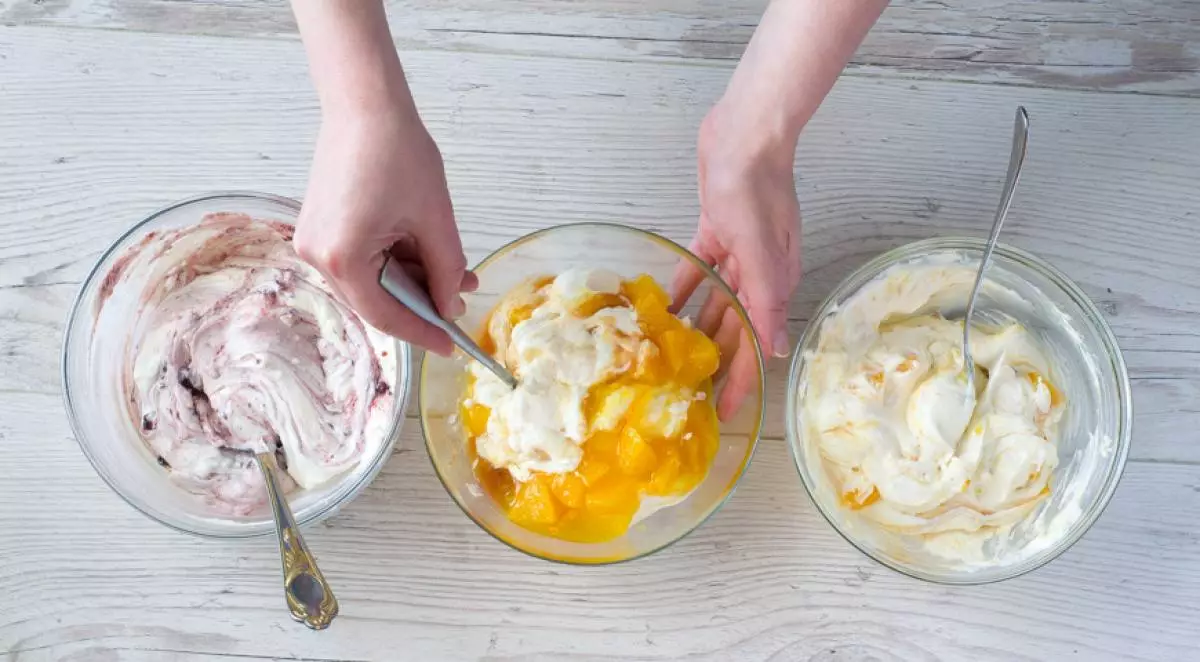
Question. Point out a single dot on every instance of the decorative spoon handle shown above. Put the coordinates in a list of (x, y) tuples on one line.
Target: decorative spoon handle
[(309, 598)]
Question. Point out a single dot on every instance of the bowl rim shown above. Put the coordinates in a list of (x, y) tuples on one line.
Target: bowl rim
[(403, 386), (872, 269), (754, 436)]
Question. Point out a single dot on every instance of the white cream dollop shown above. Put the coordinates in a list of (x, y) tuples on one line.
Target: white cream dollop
[(557, 356), (899, 434)]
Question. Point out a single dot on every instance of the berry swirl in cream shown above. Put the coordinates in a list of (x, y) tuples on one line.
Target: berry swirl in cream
[(238, 345)]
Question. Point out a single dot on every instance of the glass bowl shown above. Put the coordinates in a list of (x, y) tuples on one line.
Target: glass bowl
[(1094, 432), (628, 252), (90, 361)]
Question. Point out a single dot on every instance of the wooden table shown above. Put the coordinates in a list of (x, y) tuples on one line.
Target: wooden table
[(553, 111)]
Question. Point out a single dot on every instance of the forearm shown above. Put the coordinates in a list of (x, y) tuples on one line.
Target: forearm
[(793, 60), (351, 57)]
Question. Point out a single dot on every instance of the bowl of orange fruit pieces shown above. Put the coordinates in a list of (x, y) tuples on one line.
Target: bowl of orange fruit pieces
[(610, 447)]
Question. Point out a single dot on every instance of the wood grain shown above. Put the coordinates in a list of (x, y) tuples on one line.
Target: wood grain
[(1132, 46), (765, 579), (95, 143), (101, 127)]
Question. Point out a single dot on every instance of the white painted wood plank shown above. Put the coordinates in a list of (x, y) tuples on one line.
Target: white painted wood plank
[(765, 579), (1150, 46), (99, 132), (138, 120)]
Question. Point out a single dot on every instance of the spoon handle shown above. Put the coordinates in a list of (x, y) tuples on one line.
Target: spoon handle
[(309, 598), (1015, 160), (396, 282)]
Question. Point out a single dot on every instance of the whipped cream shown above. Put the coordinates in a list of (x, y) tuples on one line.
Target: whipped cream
[(558, 356), (901, 438), (237, 345)]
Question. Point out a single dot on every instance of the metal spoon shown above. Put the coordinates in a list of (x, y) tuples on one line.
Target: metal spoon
[(309, 597), (396, 281), (1015, 160)]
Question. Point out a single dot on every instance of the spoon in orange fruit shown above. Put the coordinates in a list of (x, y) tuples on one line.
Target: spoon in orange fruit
[(396, 282)]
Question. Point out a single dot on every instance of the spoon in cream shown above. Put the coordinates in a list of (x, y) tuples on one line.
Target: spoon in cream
[(396, 281), (1015, 160), (309, 598)]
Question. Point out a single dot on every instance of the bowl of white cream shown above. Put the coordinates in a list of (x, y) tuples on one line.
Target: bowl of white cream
[(933, 481)]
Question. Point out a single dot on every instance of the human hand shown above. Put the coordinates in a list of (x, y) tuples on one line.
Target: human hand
[(377, 186), (749, 230)]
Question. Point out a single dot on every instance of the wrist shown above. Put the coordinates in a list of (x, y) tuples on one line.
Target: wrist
[(365, 87), (749, 134)]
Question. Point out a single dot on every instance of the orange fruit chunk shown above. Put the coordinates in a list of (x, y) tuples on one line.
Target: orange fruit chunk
[(475, 418), (534, 503), (650, 302), (691, 355), (613, 497), (634, 455), (595, 302), (568, 489), (592, 470)]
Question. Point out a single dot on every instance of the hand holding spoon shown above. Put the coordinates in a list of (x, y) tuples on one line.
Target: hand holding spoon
[(396, 281), (1015, 160)]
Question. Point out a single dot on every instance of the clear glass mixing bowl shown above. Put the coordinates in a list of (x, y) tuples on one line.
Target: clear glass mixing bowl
[(628, 252), (1095, 430), (90, 362)]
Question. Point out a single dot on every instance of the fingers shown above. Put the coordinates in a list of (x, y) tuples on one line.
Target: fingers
[(688, 276), (743, 378), (360, 285), (766, 286), (407, 260), (728, 337), (356, 283), (712, 313), (445, 264), (470, 282)]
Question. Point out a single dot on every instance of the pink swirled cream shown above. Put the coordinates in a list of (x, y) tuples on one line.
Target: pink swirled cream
[(238, 345)]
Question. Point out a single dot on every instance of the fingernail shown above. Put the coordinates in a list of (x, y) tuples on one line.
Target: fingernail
[(459, 308), (781, 345)]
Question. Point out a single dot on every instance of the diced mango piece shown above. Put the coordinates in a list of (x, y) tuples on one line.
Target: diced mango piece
[(475, 418), (651, 367), (651, 303), (592, 470), (645, 291), (701, 437), (675, 348), (568, 489), (607, 404), (691, 355), (534, 503), (613, 497), (595, 302), (635, 456), (662, 481), (519, 314), (602, 444), (855, 501)]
